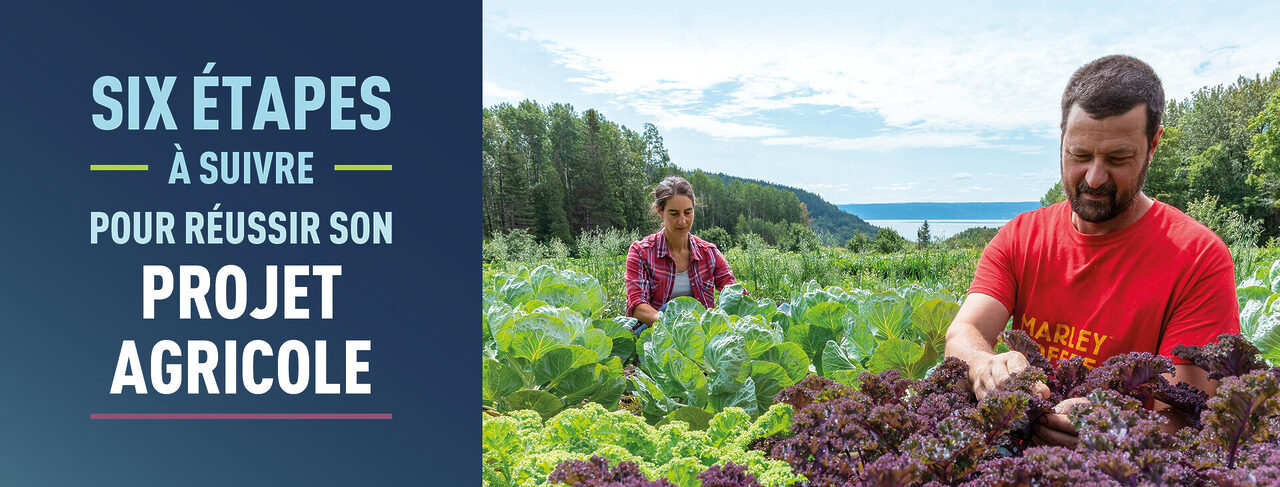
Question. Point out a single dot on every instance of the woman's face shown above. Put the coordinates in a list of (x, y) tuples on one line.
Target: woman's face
[(677, 216)]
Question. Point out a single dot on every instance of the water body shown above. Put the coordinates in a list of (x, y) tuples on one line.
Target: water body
[(937, 228)]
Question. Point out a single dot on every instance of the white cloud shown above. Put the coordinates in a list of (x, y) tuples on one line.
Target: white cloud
[(492, 91), (962, 175), (896, 187), (898, 140), (1045, 177), (823, 187), (958, 76), (973, 189)]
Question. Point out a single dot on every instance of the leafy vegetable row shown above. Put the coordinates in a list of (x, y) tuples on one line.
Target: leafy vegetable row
[(898, 431), (519, 448)]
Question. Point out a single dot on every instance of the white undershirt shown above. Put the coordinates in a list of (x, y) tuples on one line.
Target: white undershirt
[(680, 286)]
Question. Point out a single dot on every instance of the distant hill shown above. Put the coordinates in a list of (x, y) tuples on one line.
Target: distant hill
[(939, 211), (825, 217)]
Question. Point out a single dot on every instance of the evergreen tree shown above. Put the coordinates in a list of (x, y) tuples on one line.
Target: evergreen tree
[(922, 235)]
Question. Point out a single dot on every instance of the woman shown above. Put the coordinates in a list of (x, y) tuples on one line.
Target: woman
[(672, 262)]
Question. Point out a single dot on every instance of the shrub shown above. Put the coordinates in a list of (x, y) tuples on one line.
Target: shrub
[(888, 241), (718, 236), (859, 243)]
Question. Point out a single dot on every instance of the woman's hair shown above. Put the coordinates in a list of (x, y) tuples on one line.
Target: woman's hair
[(669, 187)]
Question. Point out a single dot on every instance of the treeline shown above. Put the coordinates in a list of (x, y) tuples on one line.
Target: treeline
[(1219, 159), (832, 225), (555, 174)]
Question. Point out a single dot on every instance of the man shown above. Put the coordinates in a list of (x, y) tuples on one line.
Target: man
[(1108, 271)]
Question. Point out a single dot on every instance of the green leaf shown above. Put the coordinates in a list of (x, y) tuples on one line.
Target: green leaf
[(1271, 306), (683, 472), (726, 425), (1267, 336), (578, 384), (860, 343), (612, 383), (542, 276), (887, 315), (557, 363), (576, 322), (932, 318), (790, 357), (501, 438), (697, 418), (759, 336), (1252, 289), (839, 356), (898, 354), (725, 355), (734, 301), (686, 336), (653, 400), (682, 304), (1249, 316), (714, 322), (498, 380), (829, 315), (1274, 275), (543, 402), (743, 397), (532, 336), (847, 377), (596, 341), (683, 379), (813, 340), (769, 378), (619, 332)]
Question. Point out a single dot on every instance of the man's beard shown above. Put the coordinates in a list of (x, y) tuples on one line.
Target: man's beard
[(1099, 211)]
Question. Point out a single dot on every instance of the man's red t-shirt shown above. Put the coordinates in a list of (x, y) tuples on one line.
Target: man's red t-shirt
[(1163, 281)]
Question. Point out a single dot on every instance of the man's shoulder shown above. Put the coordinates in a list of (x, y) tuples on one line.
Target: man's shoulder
[(1185, 231)]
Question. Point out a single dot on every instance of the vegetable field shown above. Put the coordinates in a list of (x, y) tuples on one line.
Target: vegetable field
[(842, 385)]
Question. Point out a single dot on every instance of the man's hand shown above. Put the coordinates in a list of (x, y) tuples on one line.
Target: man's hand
[(1055, 428), (987, 374)]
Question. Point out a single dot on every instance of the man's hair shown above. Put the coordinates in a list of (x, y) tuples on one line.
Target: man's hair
[(1113, 85)]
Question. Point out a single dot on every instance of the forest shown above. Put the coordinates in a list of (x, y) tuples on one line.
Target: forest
[(556, 174)]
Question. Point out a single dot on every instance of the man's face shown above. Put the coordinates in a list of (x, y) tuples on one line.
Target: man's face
[(1104, 162)]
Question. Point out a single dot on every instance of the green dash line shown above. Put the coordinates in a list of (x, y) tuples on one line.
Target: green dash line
[(119, 167), (362, 167)]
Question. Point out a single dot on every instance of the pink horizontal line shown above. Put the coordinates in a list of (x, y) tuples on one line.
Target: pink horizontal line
[(240, 416)]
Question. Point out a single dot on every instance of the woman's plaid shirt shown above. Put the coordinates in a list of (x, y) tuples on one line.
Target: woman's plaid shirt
[(651, 271)]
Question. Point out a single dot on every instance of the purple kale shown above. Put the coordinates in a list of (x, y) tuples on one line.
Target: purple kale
[(1071, 372), (728, 476), (950, 376), (893, 471), (1184, 400), (1019, 341), (1230, 356), (1243, 412), (595, 472), (1002, 417), (829, 444), (1244, 477), (887, 387), (812, 388), (1042, 465), (1133, 374), (950, 451)]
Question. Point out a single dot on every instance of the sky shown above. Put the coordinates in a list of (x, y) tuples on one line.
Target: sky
[(860, 103)]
